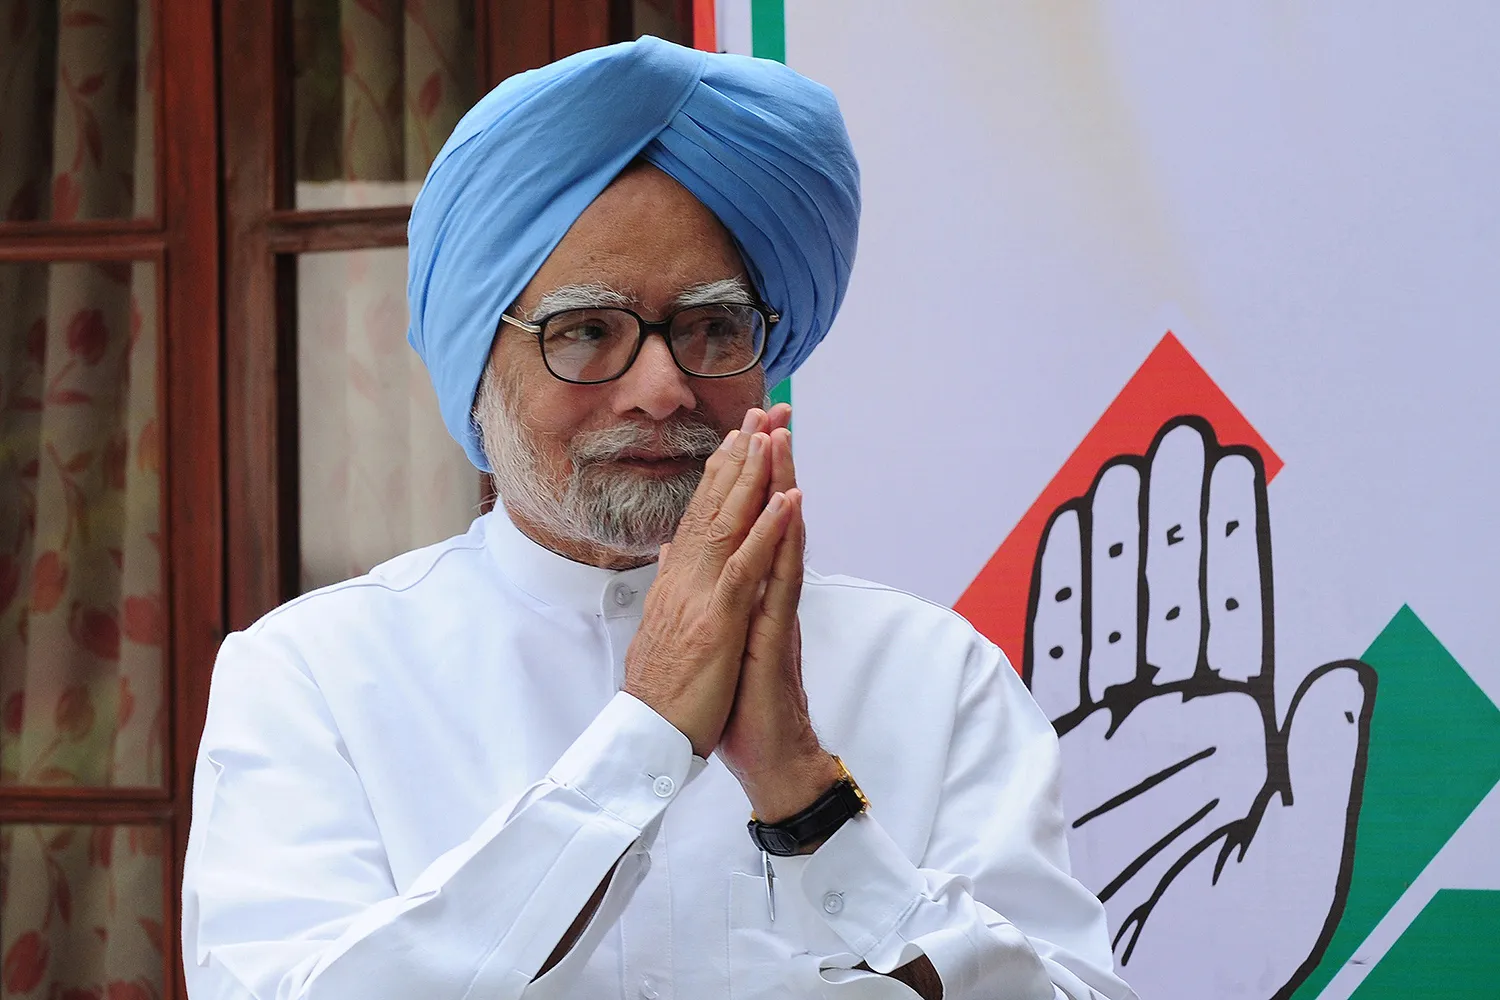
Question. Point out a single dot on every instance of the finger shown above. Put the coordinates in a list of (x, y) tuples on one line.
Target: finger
[(1174, 554), (719, 473), (779, 416), (1327, 730), (746, 570), (1236, 570), (783, 471), (1115, 597), (737, 513), (784, 588), (1054, 655), (754, 422)]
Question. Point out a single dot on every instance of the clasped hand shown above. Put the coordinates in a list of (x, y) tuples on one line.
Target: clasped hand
[(719, 653)]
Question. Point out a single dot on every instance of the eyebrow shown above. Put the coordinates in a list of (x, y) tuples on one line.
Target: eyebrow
[(731, 290), (584, 296), (593, 295)]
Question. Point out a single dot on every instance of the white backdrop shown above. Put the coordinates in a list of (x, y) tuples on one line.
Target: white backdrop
[(1305, 195)]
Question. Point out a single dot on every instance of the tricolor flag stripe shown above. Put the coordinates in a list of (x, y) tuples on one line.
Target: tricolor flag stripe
[(745, 27)]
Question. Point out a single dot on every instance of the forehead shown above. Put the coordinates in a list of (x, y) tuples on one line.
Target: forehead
[(646, 236)]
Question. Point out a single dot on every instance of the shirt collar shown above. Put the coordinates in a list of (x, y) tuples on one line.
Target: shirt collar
[(558, 581)]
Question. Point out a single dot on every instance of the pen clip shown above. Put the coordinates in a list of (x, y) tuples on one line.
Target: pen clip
[(770, 884)]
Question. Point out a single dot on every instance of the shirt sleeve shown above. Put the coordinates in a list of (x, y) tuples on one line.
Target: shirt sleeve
[(991, 903), (287, 893)]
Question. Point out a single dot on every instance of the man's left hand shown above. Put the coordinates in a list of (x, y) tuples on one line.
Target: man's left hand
[(769, 743)]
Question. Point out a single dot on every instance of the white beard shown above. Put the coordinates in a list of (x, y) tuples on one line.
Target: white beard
[(611, 508)]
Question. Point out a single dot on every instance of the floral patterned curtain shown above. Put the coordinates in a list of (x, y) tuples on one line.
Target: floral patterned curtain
[(82, 618), (380, 84)]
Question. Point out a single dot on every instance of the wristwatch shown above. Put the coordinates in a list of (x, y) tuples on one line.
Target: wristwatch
[(814, 824)]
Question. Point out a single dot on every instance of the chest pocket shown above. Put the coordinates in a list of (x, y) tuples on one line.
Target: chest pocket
[(762, 952)]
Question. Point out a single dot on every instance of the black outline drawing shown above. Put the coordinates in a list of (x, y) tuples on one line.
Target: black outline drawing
[(1121, 699)]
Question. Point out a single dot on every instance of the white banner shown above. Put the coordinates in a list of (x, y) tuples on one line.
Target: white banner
[(1170, 358)]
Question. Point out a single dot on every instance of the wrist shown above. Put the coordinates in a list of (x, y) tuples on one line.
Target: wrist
[(791, 787)]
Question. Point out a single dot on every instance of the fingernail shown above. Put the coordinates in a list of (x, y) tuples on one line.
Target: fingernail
[(728, 441), (752, 420), (756, 443), (777, 502)]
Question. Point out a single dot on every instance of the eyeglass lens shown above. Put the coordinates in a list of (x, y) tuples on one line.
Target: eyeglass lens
[(596, 345)]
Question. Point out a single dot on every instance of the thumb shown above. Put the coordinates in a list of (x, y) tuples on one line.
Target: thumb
[(1327, 732), (1305, 845)]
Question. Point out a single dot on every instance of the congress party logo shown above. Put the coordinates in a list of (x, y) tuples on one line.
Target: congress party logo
[(1242, 852)]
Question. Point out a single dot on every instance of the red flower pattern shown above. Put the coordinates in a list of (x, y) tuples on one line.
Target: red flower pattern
[(88, 336), (25, 963), (101, 845), (96, 630), (145, 620), (49, 579), (13, 713)]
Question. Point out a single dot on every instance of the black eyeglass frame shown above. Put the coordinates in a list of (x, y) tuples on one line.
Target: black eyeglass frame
[(644, 330)]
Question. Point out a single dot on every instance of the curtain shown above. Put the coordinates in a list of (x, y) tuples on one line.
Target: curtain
[(379, 85), (82, 616)]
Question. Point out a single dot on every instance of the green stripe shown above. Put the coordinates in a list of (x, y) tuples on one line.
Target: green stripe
[(1444, 952), (1434, 755), (768, 29), (768, 41)]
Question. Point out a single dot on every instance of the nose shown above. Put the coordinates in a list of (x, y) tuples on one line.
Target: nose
[(654, 384)]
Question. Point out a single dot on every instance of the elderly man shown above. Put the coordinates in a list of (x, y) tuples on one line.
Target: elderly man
[(588, 748)]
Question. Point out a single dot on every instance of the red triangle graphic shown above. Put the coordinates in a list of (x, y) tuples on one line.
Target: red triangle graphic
[(1169, 384)]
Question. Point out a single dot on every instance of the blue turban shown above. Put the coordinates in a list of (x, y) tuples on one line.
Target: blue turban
[(764, 148)]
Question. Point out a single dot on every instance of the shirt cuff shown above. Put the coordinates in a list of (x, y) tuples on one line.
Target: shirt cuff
[(865, 887), (630, 762)]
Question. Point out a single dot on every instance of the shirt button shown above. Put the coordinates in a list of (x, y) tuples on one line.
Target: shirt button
[(623, 594), (664, 786), (648, 990), (833, 902)]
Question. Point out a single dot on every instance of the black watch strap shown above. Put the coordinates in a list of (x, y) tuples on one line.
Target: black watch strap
[(814, 824)]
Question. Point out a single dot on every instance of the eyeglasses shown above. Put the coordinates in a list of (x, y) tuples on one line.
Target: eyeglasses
[(589, 346)]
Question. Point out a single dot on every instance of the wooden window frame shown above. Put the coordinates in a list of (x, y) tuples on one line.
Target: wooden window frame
[(181, 239)]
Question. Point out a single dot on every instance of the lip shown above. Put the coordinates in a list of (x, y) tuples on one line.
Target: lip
[(644, 456), (656, 465)]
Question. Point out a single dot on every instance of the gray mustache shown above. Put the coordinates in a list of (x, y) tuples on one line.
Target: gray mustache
[(687, 440)]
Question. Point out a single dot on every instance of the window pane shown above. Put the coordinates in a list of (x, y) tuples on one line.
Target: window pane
[(82, 908), (83, 622), (77, 110), (379, 85), (378, 472)]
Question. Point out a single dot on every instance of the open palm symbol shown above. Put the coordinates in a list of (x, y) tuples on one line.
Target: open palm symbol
[(1219, 838)]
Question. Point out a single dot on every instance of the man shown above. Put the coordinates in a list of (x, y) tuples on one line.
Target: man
[(535, 760)]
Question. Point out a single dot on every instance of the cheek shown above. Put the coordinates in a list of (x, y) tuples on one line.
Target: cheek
[(550, 411)]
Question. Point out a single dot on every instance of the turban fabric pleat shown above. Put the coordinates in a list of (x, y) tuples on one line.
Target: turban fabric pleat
[(764, 148)]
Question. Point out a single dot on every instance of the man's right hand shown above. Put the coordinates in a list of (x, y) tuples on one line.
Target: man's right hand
[(685, 659)]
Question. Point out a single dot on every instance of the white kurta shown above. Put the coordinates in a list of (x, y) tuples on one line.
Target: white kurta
[(411, 783)]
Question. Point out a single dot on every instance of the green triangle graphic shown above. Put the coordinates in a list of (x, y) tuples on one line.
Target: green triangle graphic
[(1434, 754), (1448, 951)]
